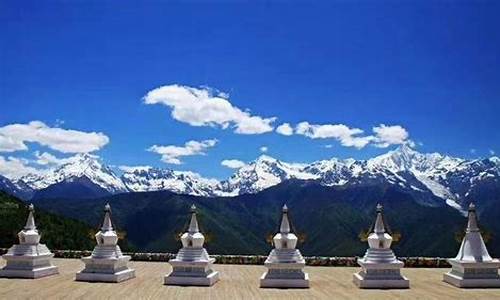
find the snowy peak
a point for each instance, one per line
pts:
(89, 166)
(154, 179)
(404, 158)
(36, 181)
(78, 167)
(262, 173)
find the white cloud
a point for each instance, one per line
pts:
(130, 169)
(232, 163)
(285, 129)
(200, 107)
(383, 137)
(171, 154)
(263, 149)
(9, 144)
(473, 151)
(390, 135)
(492, 152)
(46, 158)
(348, 137)
(14, 168)
(14, 137)
(329, 146)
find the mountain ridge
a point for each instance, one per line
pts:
(430, 177)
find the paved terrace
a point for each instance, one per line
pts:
(237, 282)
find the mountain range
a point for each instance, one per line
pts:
(431, 179)
(331, 201)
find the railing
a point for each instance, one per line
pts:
(327, 261)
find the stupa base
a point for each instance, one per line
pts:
(105, 269)
(284, 282)
(31, 274)
(461, 282)
(103, 277)
(466, 274)
(382, 283)
(28, 266)
(208, 280)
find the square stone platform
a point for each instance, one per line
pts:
(380, 276)
(208, 280)
(32, 274)
(100, 277)
(28, 266)
(105, 270)
(285, 275)
(197, 273)
(284, 283)
(473, 274)
(365, 283)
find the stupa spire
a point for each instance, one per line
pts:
(193, 225)
(285, 223)
(30, 222)
(106, 224)
(472, 219)
(379, 222)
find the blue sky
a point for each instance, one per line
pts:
(432, 68)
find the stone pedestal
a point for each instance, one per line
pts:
(107, 263)
(105, 269)
(473, 275)
(285, 263)
(285, 275)
(380, 276)
(380, 268)
(197, 273)
(192, 266)
(473, 267)
(28, 259)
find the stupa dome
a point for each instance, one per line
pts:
(285, 239)
(193, 238)
(29, 235)
(379, 238)
(107, 236)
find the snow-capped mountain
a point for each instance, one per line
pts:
(433, 179)
(263, 173)
(154, 179)
(80, 168)
(6, 185)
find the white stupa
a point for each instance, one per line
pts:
(29, 258)
(107, 263)
(192, 265)
(473, 266)
(285, 264)
(380, 267)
